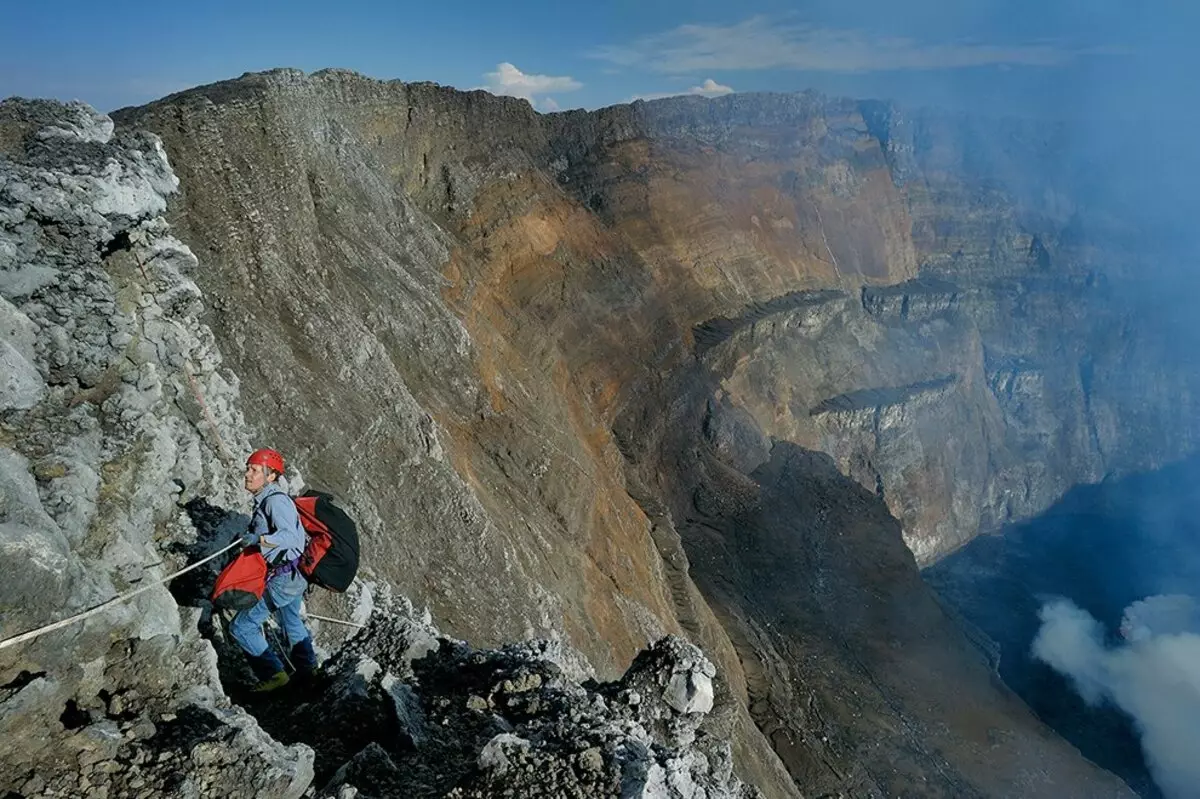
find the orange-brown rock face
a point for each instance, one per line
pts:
(448, 304)
(741, 229)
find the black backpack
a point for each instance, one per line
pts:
(330, 558)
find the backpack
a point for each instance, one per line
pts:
(241, 584)
(330, 558)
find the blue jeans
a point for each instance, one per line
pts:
(247, 626)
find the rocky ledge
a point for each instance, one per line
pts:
(103, 362)
(402, 710)
(409, 712)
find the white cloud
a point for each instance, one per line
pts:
(509, 81)
(709, 88)
(1155, 677)
(759, 43)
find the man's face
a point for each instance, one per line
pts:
(256, 477)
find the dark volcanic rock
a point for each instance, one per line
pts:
(840, 638)
(427, 716)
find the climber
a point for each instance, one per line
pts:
(274, 528)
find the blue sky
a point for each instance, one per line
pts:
(1039, 57)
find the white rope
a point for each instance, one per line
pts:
(337, 621)
(18, 639)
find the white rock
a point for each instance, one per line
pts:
(8, 253)
(21, 385)
(85, 124)
(24, 280)
(493, 756)
(368, 669)
(21, 505)
(159, 615)
(33, 548)
(689, 691)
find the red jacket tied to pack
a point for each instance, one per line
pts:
(241, 584)
(331, 558)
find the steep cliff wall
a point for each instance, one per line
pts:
(1014, 367)
(479, 295)
(118, 424)
(965, 407)
(559, 368)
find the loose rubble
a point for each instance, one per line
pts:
(410, 712)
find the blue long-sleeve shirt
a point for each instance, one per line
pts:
(281, 538)
(277, 524)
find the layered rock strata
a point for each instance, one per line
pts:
(692, 220)
(978, 409)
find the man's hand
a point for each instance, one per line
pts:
(249, 539)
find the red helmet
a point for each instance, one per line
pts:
(266, 457)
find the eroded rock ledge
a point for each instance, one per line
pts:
(410, 712)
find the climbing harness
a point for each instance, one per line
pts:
(283, 567)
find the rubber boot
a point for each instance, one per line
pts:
(268, 668)
(304, 658)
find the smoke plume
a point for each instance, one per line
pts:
(1153, 675)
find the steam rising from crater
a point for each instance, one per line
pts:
(1154, 676)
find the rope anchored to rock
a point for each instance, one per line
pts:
(336, 621)
(119, 598)
(29, 636)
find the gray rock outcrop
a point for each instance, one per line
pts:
(116, 419)
(107, 407)
(458, 722)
